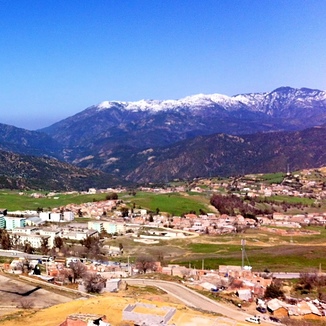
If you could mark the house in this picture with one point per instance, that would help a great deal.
(34, 221)
(308, 310)
(51, 217)
(85, 320)
(68, 216)
(80, 235)
(112, 285)
(277, 308)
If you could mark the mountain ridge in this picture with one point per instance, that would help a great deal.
(124, 139)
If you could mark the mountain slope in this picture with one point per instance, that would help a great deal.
(27, 142)
(29, 172)
(95, 137)
(226, 155)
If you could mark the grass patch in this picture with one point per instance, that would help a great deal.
(273, 177)
(15, 200)
(174, 204)
(292, 199)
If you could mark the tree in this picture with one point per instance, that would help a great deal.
(111, 196)
(78, 270)
(5, 240)
(93, 245)
(28, 247)
(274, 290)
(58, 242)
(44, 246)
(15, 239)
(144, 263)
(93, 282)
(121, 247)
(124, 211)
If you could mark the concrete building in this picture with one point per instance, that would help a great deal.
(51, 233)
(34, 221)
(68, 216)
(95, 225)
(34, 239)
(2, 222)
(112, 227)
(14, 222)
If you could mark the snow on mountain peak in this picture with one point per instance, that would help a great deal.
(193, 101)
(255, 101)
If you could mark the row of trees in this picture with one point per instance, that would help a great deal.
(233, 205)
(93, 282)
(91, 246)
(8, 242)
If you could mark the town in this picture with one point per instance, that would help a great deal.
(70, 241)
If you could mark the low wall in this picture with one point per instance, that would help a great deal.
(129, 314)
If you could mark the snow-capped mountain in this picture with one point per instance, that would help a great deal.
(110, 135)
(282, 98)
(191, 102)
(199, 135)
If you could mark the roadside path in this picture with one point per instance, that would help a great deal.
(194, 299)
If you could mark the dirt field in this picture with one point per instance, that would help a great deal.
(111, 305)
(14, 293)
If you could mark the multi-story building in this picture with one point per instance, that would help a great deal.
(14, 222)
(2, 222)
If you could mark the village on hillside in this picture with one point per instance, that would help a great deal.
(44, 231)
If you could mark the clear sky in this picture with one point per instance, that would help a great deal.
(58, 57)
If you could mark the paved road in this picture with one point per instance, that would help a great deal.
(15, 254)
(192, 298)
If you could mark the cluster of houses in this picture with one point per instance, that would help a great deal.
(33, 226)
(231, 280)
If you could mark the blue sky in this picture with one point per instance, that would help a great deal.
(58, 57)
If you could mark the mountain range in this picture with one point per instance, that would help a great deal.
(200, 135)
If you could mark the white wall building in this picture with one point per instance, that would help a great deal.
(68, 216)
(51, 234)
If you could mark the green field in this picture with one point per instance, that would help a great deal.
(174, 203)
(12, 200)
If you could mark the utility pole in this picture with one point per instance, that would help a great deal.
(243, 243)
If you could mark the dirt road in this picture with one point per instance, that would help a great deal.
(14, 293)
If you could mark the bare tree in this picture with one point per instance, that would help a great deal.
(78, 270)
(5, 240)
(58, 242)
(92, 244)
(44, 246)
(144, 263)
(28, 247)
(93, 282)
(64, 275)
(26, 303)
(15, 239)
